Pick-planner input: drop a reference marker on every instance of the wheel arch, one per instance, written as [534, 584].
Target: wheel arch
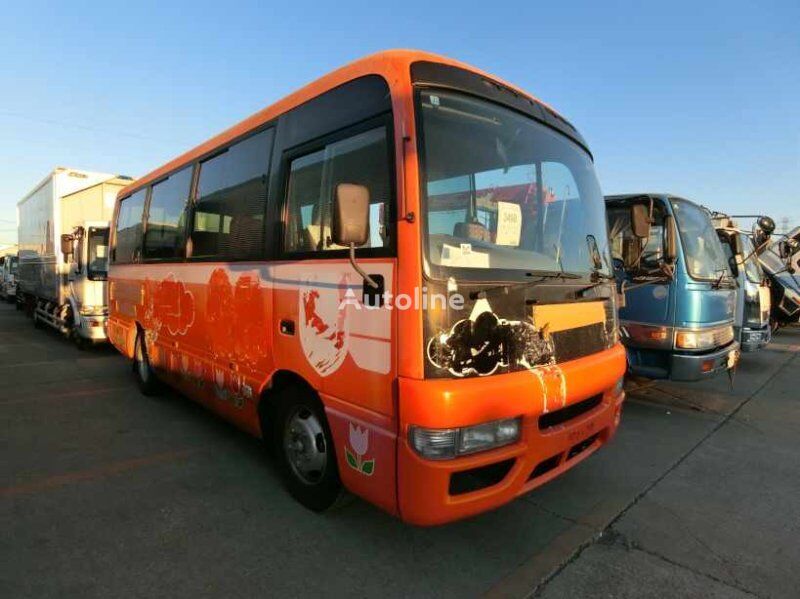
[280, 380]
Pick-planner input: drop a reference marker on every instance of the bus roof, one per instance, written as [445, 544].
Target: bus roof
[386, 64]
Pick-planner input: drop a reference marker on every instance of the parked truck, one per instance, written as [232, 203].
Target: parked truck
[751, 319]
[677, 318]
[63, 251]
[8, 277]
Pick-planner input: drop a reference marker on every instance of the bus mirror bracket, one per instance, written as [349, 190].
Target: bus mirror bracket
[350, 226]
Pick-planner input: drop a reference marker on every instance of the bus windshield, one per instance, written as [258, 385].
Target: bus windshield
[98, 254]
[702, 249]
[504, 192]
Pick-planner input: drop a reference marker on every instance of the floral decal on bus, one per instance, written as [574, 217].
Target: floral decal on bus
[170, 305]
[356, 451]
[239, 328]
[323, 326]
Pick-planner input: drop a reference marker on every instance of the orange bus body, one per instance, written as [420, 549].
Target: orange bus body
[222, 332]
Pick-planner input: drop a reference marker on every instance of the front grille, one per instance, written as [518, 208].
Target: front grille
[476, 479]
[545, 466]
[572, 411]
[579, 448]
[575, 343]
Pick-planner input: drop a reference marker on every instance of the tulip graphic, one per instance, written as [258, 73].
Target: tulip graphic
[359, 441]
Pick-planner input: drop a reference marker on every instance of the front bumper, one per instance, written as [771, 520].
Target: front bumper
[753, 339]
[695, 367]
[437, 491]
[93, 328]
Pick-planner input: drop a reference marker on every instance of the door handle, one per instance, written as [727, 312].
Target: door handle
[373, 296]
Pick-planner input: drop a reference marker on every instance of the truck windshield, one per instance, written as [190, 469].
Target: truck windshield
[702, 250]
[98, 254]
[504, 194]
[14, 265]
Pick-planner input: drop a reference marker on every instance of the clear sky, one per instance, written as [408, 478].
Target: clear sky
[696, 98]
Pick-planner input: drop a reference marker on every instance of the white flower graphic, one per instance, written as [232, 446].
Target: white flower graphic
[359, 442]
[359, 439]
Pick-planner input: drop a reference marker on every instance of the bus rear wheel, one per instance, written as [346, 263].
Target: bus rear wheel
[143, 370]
[305, 451]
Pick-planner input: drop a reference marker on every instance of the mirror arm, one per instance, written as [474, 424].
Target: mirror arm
[370, 281]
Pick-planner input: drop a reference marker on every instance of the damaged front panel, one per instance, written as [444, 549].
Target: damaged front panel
[517, 329]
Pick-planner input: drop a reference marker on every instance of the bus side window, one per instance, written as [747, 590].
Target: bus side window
[231, 201]
[361, 159]
[128, 237]
[166, 216]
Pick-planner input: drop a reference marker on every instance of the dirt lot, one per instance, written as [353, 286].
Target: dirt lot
[107, 493]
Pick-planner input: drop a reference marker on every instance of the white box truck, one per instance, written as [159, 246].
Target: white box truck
[63, 246]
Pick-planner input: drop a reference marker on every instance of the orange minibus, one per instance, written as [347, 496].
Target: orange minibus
[398, 276]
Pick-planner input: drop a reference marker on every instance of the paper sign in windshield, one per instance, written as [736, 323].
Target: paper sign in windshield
[509, 224]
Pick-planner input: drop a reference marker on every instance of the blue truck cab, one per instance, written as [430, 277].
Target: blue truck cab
[678, 295]
[751, 318]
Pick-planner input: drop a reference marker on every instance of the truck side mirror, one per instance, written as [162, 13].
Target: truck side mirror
[350, 226]
[767, 225]
[640, 221]
[670, 239]
[66, 245]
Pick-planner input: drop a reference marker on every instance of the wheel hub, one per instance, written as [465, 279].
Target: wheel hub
[304, 445]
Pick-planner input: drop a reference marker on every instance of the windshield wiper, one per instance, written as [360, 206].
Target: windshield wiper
[541, 275]
[722, 277]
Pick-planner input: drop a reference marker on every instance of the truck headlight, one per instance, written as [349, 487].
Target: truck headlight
[704, 338]
[447, 443]
[645, 335]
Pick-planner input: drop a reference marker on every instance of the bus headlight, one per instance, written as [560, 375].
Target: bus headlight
[447, 443]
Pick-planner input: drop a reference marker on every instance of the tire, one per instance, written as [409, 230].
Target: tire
[146, 377]
[305, 450]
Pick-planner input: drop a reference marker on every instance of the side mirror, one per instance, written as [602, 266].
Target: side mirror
[767, 225]
[350, 226]
[640, 221]
[66, 245]
[670, 239]
[350, 215]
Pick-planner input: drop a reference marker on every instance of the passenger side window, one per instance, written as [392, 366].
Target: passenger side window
[362, 159]
[231, 201]
[166, 216]
[128, 238]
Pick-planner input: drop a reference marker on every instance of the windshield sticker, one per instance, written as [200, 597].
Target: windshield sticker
[482, 343]
[463, 255]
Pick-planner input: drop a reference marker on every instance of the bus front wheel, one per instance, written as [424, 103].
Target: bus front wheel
[304, 448]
